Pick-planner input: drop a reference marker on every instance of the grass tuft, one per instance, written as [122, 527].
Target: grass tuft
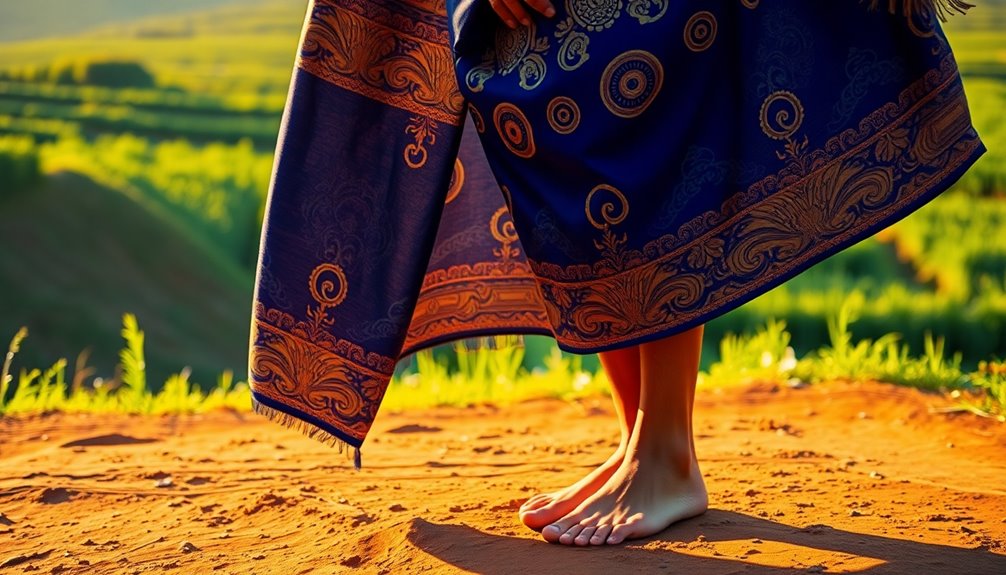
[497, 376]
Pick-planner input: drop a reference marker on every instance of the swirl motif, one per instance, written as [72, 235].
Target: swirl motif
[532, 72]
[457, 181]
[502, 229]
[563, 114]
[607, 208]
[594, 15]
[573, 52]
[328, 285]
[750, 4]
[631, 82]
[475, 79]
[646, 11]
[511, 46]
[700, 31]
[781, 115]
[514, 129]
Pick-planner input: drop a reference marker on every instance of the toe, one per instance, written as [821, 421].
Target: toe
[584, 537]
[569, 536]
[620, 533]
[600, 536]
[553, 531]
[536, 502]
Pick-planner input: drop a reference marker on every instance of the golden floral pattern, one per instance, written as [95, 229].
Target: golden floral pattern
[306, 368]
[408, 66]
[425, 132]
[843, 190]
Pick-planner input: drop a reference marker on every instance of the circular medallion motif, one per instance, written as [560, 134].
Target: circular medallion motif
[511, 46]
[781, 115]
[328, 285]
[480, 124]
[514, 129]
[750, 4]
[700, 31]
[563, 114]
[457, 181]
[631, 82]
[594, 15]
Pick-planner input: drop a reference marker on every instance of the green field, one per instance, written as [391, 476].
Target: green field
[135, 158]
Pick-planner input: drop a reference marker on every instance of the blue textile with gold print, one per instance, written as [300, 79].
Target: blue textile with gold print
[629, 169]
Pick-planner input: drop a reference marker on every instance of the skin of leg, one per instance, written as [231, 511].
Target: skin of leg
[623, 370]
[658, 481]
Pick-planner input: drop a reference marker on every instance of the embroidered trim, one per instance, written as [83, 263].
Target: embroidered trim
[399, 58]
[855, 182]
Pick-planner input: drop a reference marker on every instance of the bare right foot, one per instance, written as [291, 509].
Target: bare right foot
[547, 508]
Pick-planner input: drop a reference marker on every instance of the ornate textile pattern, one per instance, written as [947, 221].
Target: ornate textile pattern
[629, 169]
[819, 200]
[301, 366]
[398, 56]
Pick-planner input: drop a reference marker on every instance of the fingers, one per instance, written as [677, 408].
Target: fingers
[508, 17]
[513, 11]
[543, 7]
[516, 8]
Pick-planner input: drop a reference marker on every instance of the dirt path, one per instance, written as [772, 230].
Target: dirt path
[837, 478]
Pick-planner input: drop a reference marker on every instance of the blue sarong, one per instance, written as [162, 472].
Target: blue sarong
[621, 172]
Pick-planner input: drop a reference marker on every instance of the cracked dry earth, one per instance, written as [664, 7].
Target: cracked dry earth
[833, 478]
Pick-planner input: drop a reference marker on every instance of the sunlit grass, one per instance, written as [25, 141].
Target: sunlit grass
[497, 376]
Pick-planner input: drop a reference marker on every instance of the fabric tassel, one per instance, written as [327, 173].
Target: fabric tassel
[316, 433]
[943, 8]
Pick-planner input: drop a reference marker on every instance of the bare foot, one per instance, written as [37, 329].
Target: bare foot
[642, 497]
[546, 508]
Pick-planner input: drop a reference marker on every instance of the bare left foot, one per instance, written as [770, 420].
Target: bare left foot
[644, 496]
[545, 508]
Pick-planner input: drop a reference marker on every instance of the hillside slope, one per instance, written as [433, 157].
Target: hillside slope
[23, 20]
[75, 256]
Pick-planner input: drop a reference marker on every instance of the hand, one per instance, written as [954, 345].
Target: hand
[512, 11]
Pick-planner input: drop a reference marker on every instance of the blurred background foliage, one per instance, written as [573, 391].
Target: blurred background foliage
[136, 143]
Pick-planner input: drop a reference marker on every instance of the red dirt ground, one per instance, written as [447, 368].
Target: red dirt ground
[837, 478]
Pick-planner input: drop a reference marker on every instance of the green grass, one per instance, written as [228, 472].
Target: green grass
[217, 190]
[244, 48]
[78, 255]
[497, 376]
[222, 74]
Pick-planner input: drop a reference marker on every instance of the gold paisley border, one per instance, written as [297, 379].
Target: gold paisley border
[850, 190]
[353, 45]
[464, 299]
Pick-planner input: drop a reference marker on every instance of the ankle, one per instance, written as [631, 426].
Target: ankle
[669, 454]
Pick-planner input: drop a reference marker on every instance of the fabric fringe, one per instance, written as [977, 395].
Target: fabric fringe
[943, 8]
[492, 342]
[312, 431]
